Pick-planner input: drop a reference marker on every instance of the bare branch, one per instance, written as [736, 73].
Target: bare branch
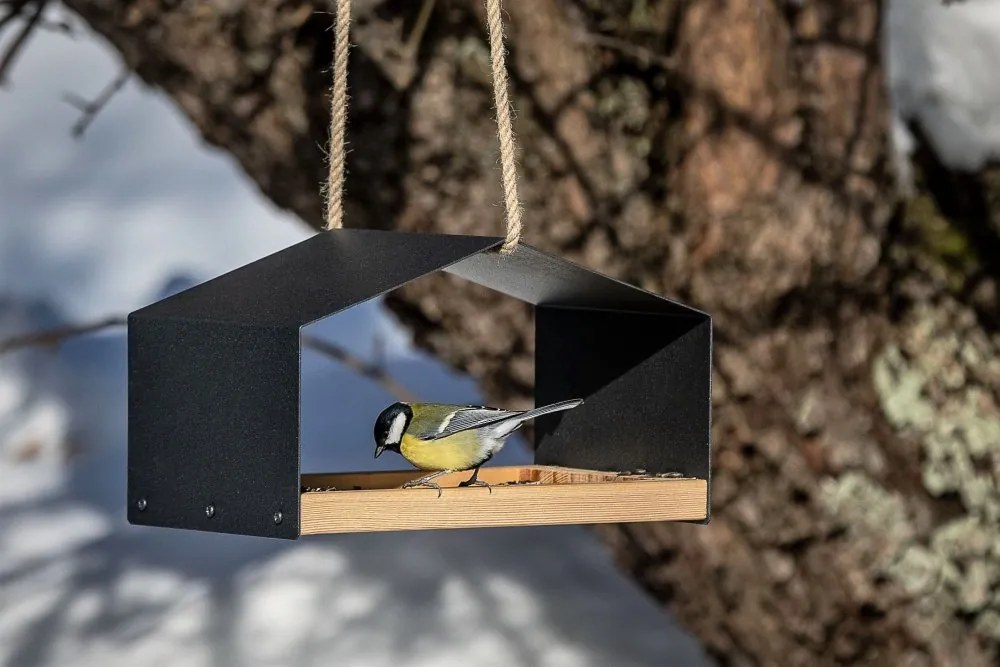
[90, 108]
[57, 336]
[359, 366]
[14, 11]
[644, 56]
[17, 45]
[412, 44]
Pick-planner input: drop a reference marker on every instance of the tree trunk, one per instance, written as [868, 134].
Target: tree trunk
[727, 152]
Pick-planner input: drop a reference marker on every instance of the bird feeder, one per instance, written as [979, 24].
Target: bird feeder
[214, 389]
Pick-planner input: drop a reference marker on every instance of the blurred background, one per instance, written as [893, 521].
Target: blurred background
[139, 207]
[818, 175]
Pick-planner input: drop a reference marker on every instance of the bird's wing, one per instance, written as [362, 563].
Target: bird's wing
[468, 418]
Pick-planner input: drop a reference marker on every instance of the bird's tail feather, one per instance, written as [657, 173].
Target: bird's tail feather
[511, 424]
[553, 407]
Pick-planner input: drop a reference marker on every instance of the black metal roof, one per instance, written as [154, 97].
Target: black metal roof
[331, 272]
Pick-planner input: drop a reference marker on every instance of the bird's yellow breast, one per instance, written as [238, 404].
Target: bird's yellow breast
[461, 451]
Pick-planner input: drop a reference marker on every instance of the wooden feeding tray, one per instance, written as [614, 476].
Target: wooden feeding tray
[215, 396]
[518, 496]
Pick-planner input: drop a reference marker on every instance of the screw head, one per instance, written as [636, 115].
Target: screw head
[210, 511]
[278, 518]
[141, 504]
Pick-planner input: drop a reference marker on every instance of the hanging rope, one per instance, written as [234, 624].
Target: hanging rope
[338, 117]
[505, 129]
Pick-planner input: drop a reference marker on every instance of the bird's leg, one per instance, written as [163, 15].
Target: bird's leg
[425, 481]
[475, 481]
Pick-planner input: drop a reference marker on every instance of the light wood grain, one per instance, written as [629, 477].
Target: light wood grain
[520, 496]
[358, 481]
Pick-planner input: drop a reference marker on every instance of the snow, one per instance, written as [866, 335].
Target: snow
[942, 72]
[140, 208]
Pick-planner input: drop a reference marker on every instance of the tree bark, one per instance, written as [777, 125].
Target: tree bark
[729, 153]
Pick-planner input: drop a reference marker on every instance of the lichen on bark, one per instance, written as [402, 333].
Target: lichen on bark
[938, 387]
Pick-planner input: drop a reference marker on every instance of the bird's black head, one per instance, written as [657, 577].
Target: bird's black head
[390, 426]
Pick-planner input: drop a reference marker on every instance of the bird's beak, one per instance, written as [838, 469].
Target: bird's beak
[378, 450]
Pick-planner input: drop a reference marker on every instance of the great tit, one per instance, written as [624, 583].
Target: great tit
[446, 438]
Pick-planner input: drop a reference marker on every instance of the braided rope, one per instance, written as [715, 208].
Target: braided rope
[505, 129]
[338, 118]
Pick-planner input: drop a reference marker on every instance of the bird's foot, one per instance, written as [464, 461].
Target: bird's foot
[423, 482]
[476, 482]
[416, 483]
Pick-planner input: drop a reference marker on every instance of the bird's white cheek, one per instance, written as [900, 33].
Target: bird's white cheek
[396, 430]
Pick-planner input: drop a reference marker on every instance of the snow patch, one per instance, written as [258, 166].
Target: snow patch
[942, 73]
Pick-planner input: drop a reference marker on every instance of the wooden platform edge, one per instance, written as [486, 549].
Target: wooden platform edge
[560, 500]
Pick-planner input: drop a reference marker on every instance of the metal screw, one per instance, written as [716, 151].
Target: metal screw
[141, 504]
[278, 518]
[210, 511]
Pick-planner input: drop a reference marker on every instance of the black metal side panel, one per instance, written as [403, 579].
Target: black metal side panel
[646, 381]
[213, 426]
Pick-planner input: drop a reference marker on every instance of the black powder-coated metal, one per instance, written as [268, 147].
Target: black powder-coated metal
[646, 381]
[213, 421]
[214, 372]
